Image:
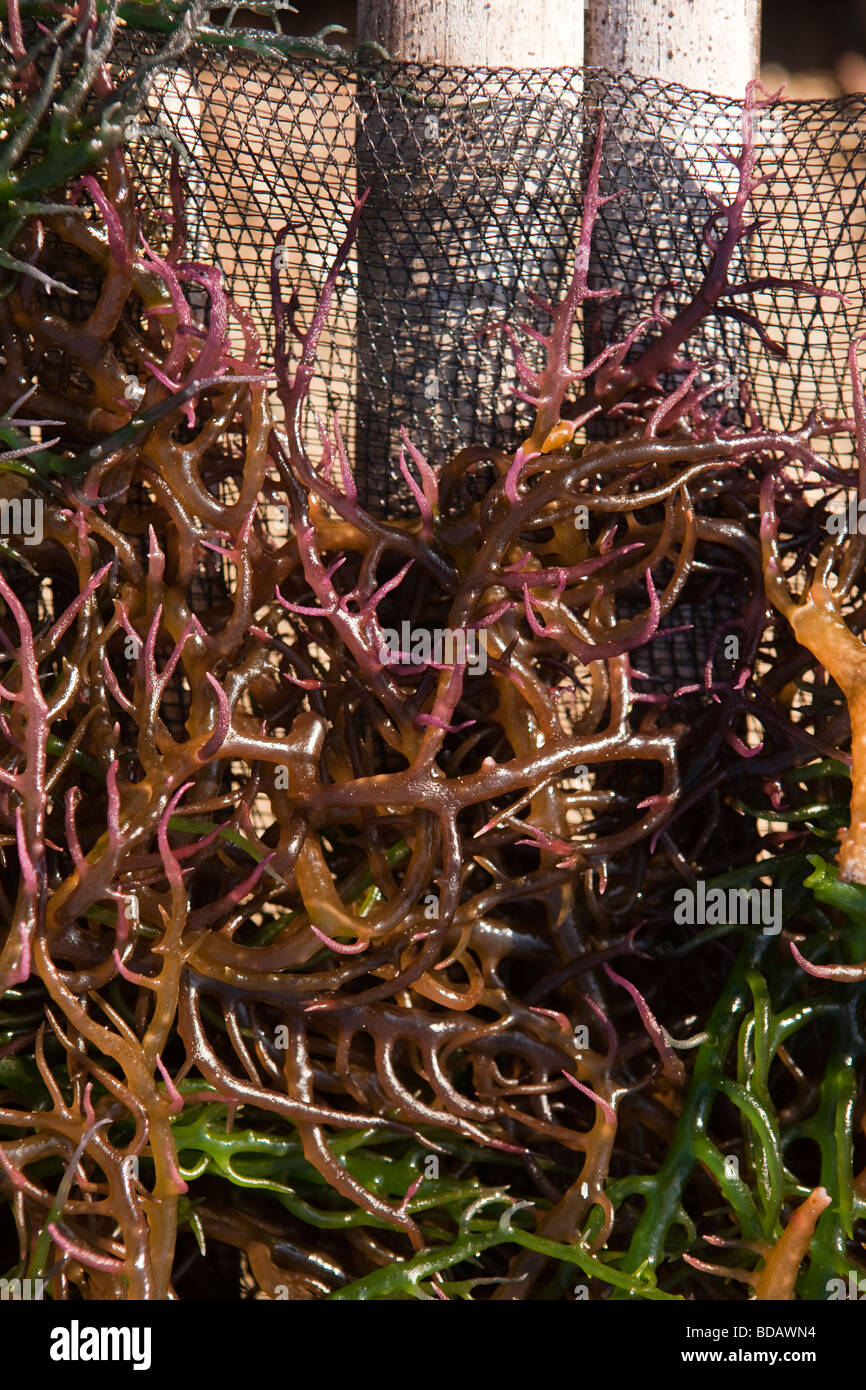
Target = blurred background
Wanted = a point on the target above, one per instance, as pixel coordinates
(817, 49)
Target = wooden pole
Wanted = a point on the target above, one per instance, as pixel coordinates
(462, 169)
(708, 46)
(477, 33)
(661, 149)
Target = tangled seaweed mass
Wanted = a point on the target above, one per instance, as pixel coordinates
(351, 972)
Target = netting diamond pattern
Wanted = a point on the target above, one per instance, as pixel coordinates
(475, 181)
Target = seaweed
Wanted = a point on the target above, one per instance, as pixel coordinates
(338, 865)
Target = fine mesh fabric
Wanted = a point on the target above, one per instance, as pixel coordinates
(476, 179)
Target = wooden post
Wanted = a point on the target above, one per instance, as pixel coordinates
(453, 231)
(664, 152)
(708, 47)
(477, 33)
(661, 149)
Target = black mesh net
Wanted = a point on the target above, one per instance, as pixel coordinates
(475, 180)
